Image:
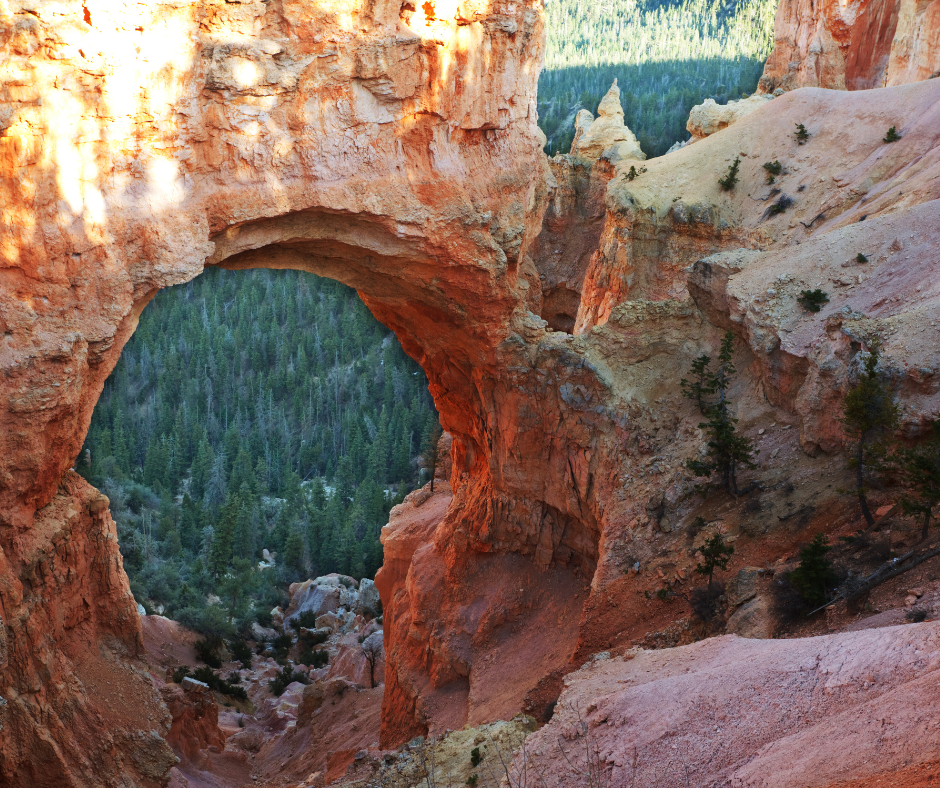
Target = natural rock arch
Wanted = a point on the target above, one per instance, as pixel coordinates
(396, 154)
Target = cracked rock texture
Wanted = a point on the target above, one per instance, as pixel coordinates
(803, 713)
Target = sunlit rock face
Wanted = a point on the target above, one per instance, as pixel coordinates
(856, 45)
(392, 149)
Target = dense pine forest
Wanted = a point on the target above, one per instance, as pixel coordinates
(254, 411)
(667, 55)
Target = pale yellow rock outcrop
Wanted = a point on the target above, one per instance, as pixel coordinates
(607, 135)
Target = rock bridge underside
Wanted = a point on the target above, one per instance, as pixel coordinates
(396, 150)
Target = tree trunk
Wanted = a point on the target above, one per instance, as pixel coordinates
(926, 528)
(860, 484)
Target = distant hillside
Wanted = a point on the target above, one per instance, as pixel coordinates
(667, 56)
(250, 411)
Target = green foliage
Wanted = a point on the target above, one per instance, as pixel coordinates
(667, 55)
(250, 411)
(314, 658)
(307, 620)
(731, 179)
(780, 206)
(814, 577)
(813, 300)
(472, 780)
(725, 450)
(241, 652)
(920, 476)
(285, 677)
(208, 651)
(774, 168)
(801, 134)
(860, 258)
(869, 415)
(635, 173)
(891, 136)
(215, 682)
(715, 555)
(475, 757)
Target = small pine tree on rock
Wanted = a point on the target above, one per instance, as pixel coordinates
(920, 476)
(715, 555)
(814, 576)
(801, 134)
(731, 179)
(891, 136)
(726, 450)
(813, 300)
(869, 414)
(860, 258)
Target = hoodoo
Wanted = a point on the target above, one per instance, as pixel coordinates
(395, 149)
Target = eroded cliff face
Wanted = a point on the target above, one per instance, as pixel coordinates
(395, 149)
(856, 45)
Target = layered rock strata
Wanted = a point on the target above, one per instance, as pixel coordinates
(856, 45)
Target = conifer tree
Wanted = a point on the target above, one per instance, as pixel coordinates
(869, 414)
(725, 450)
(920, 477)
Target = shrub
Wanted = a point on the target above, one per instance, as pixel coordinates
(891, 136)
(285, 677)
(774, 168)
(801, 134)
(860, 258)
(475, 757)
(215, 682)
(472, 780)
(813, 300)
(814, 577)
(207, 649)
(310, 639)
(241, 652)
(781, 205)
(706, 601)
(635, 173)
(314, 658)
(731, 179)
(307, 620)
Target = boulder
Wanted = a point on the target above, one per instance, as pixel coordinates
(369, 602)
(754, 619)
(708, 117)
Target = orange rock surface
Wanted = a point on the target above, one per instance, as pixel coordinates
(396, 150)
(856, 45)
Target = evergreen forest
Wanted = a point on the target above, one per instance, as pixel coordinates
(252, 411)
(667, 55)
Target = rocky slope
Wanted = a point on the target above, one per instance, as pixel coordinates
(810, 712)
(396, 150)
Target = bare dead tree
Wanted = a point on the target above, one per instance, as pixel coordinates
(373, 651)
